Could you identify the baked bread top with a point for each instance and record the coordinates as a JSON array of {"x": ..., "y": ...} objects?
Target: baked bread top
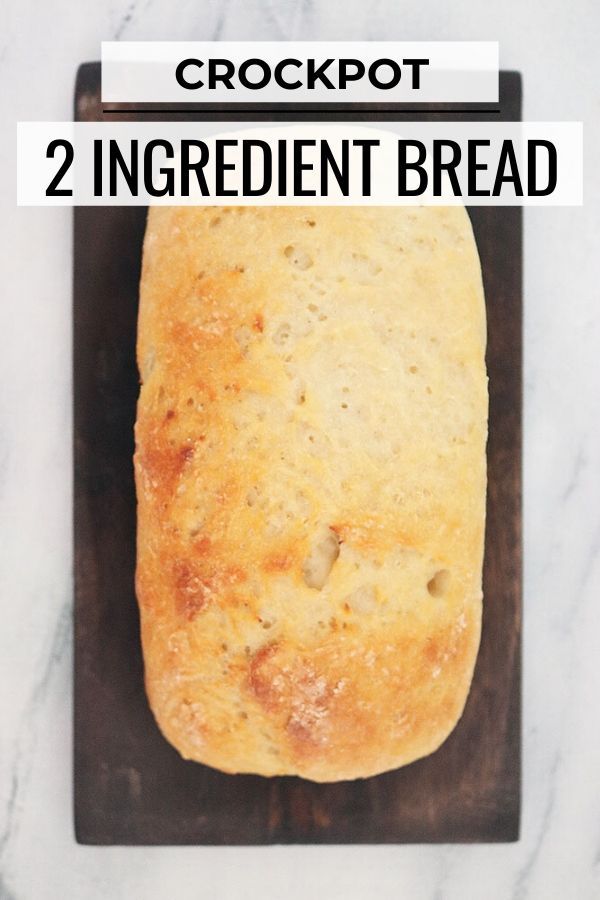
[{"x": 310, "y": 469}]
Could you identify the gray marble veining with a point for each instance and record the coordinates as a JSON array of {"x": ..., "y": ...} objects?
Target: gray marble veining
[{"x": 554, "y": 44}]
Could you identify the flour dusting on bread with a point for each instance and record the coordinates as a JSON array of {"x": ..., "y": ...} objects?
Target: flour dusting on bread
[{"x": 310, "y": 470}]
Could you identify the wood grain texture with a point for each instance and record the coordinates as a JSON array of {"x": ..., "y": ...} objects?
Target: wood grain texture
[{"x": 131, "y": 787}]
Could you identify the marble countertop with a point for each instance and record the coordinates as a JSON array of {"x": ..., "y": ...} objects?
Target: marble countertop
[{"x": 554, "y": 45}]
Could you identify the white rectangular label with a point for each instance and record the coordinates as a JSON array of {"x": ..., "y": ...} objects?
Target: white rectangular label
[
  {"x": 299, "y": 71},
  {"x": 208, "y": 163}
]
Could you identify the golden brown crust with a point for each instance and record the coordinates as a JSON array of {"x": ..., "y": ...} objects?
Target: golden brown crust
[{"x": 310, "y": 470}]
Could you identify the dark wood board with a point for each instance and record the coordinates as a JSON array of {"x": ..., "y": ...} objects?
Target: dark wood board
[{"x": 131, "y": 787}]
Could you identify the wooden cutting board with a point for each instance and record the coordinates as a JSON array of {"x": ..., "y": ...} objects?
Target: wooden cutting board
[{"x": 131, "y": 787}]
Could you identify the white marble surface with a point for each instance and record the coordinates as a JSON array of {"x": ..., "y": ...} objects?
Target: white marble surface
[{"x": 554, "y": 43}]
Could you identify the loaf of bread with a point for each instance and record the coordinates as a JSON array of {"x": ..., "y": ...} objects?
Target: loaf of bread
[{"x": 310, "y": 469}]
